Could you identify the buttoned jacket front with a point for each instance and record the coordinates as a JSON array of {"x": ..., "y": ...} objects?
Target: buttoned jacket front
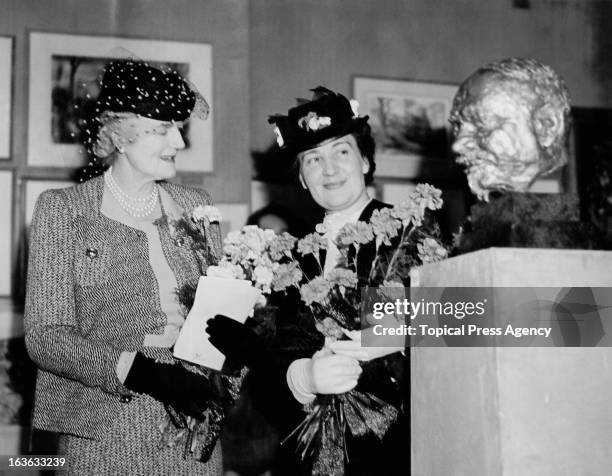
[{"x": 92, "y": 294}]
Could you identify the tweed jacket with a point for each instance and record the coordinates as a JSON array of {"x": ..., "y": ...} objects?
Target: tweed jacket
[{"x": 92, "y": 294}]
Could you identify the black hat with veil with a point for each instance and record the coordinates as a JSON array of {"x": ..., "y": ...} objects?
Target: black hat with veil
[{"x": 133, "y": 88}]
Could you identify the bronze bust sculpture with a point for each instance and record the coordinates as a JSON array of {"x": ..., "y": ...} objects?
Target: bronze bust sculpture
[{"x": 511, "y": 122}]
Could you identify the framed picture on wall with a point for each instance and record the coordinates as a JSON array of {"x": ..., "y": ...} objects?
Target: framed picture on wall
[
  {"x": 6, "y": 89},
  {"x": 65, "y": 74},
  {"x": 409, "y": 121},
  {"x": 6, "y": 231}
]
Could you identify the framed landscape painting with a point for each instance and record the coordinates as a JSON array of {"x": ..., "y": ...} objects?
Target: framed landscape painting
[{"x": 409, "y": 121}]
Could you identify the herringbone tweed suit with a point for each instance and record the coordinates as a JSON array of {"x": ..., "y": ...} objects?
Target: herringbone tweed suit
[{"x": 92, "y": 294}]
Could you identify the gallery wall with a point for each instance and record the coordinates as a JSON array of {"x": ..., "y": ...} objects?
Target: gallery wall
[
  {"x": 267, "y": 52},
  {"x": 296, "y": 45}
]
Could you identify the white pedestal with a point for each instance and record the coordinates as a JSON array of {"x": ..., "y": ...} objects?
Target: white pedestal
[{"x": 513, "y": 411}]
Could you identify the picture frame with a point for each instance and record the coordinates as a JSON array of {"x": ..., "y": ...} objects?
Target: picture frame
[
  {"x": 64, "y": 73},
  {"x": 409, "y": 121},
  {"x": 6, "y": 232},
  {"x": 6, "y": 96}
]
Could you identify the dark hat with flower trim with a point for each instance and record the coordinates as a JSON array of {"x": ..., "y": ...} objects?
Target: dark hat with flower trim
[
  {"x": 310, "y": 123},
  {"x": 137, "y": 87}
]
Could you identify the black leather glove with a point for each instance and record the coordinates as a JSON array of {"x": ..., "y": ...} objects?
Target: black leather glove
[
  {"x": 241, "y": 345},
  {"x": 170, "y": 384}
]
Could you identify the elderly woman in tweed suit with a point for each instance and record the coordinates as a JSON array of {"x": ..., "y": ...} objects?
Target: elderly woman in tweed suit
[{"x": 101, "y": 315}]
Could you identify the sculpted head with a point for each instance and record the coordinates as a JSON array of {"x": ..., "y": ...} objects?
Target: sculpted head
[{"x": 510, "y": 121}]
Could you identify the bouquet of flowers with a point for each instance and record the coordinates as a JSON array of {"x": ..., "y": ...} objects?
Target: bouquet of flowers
[
  {"x": 253, "y": 254},
  {"x": 400, "y": 237},
  {"x": 377, "y": 254},
  {"x": 199, "y": 436}
]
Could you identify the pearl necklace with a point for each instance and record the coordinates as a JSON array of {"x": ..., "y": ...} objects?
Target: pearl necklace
[{"x": 136, "y": 207}]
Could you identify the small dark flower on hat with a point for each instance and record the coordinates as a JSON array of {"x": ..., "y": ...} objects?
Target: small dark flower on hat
[{"x": 326, "y": 116}]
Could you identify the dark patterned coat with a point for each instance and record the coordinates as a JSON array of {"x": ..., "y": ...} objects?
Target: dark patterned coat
[{"x": 92, "y": 294}]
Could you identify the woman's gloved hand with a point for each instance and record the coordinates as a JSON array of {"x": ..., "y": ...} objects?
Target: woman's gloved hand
[
  {"x": 324, "y": 373},
  {"x": 170, "y": 384},
  {"x": 332, "y": 373},
  {"x": 240, "y": 344}
]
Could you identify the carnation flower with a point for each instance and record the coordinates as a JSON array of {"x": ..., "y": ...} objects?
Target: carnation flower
[
  {"x": 385, "y": 226},
  {"x": 287, "y": 274},
  {"x": 357, "y": 233},
  {"x": 232, "y": 252},
  {"x": 249, "y": 247},
  {"x": 233, "y": 237},
  {"x": 281, "y": 245},
  {"x": 197, "y": 213},
  {"x": 253, "y": 239},
  {"x": 212, "y": 214},
  {"x": 408, "y": 212},
  {"x": 430, "y": 250},
  {"x": 268, "y": 234},
  {"x": 246, "y": 244},
  {"x": 427, "y": 197},
  {"x": 315, "y": 291},
  {"x": 225, "y": 269},
  {"x": 344, "y": 278},
  {"x": 312, "y": 244},
  {"x": 263, "y": 276}
]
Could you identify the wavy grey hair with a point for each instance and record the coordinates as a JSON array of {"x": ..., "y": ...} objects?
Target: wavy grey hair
[{"x": 104, "y": 147}]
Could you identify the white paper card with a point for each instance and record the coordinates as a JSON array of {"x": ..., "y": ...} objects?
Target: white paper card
[{"x": 234, "y": 298}]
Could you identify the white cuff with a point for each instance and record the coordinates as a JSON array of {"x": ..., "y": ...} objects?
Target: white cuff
[{"x": 299, "y": 382}]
